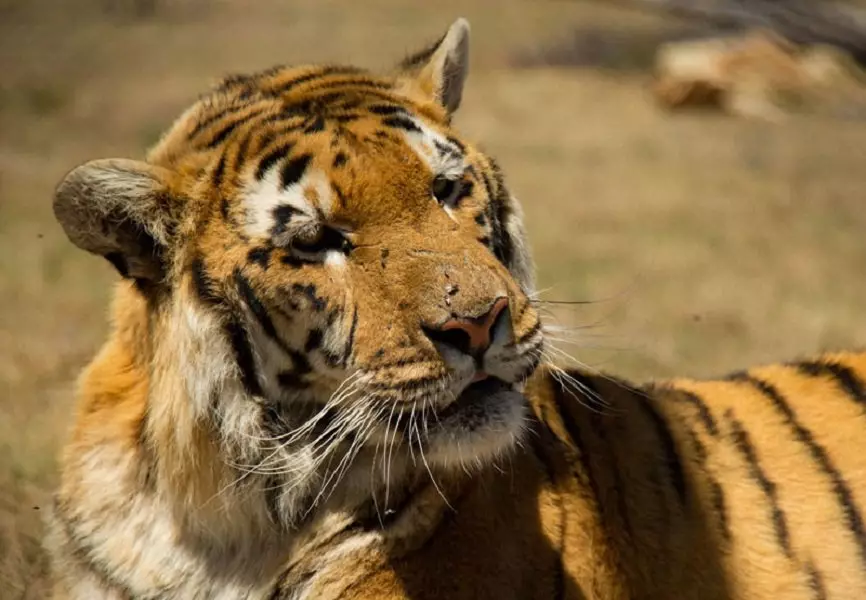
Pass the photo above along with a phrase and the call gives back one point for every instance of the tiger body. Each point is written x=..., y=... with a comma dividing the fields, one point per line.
x=731, y=488
x=758, y=75
x=322, y=381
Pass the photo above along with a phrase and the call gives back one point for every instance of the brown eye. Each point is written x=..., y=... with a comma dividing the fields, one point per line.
x=447, y=191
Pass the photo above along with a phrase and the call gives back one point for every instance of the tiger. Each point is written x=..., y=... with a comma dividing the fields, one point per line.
x=325, y=378
x=755, y=75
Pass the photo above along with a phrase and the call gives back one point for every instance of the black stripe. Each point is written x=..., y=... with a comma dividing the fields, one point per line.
x=202, y=283
x=294, y=378
x=323, y=72
x=717, y=494
x=84, y=554
x=457, y=143
x=314, y=340
x=672, y=458
x=584, y=475
x=240, y=342
x=385, y=109
x=399, y=122
x=616, y=487
x=219, y=171
x=291, y=380
x=706, y=417
x=744, y=444
x=283, y=214
x=341, y=197
x=351, y=342
x=816, y=582
x=227, y=129
x=540, y=440
x=260, y=255
x=331, y=100
x=501, y=205
x=272, y=158
x=348, y=103
x=445, y=148
x=719, y=505
x=300, y=363
x=340, y=159
x=293, y=170
x=211, y=119
x=259, y=311
x=317, y=124
x=819, y=454
x=280, y=124
x=243, y=148
x=117, y=260
x=496, y=234
x=352, y=84
x=277, y=592
x=845, y=377
x=309, y=291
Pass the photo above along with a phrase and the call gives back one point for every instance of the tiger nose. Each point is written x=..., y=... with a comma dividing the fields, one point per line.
x=469, y=335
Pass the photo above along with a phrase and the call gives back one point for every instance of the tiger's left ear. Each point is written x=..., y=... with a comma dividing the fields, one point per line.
x=438, y=73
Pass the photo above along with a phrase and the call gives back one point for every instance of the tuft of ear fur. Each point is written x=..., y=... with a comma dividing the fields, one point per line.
x=119, y=209
x=439, y=72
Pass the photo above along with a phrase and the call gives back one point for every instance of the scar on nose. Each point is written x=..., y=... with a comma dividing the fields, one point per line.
x=383, y=256
x=420, y=252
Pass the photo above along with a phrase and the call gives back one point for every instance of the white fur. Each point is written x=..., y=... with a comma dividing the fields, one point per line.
x=311, y=195
x=423, y=143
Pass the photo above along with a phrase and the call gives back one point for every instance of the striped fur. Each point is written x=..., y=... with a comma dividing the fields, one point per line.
x=278, y=414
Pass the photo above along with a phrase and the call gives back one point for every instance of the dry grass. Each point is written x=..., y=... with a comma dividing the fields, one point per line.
x=710, y=243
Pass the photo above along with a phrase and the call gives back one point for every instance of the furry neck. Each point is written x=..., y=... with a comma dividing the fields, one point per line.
x=198, y=475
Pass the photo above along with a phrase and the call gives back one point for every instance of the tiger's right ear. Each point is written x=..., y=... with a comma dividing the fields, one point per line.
x=439, y=71
x=121, y=210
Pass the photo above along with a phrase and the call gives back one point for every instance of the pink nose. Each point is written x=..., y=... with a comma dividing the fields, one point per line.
x=470, y=335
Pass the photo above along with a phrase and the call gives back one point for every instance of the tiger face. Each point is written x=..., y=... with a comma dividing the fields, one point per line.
x=319, y=248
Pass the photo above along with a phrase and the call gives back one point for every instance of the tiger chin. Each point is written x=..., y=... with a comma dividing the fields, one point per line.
x=322, y=381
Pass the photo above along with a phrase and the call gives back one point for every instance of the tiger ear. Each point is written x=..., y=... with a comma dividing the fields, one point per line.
x=439, y=72
x=121, y=210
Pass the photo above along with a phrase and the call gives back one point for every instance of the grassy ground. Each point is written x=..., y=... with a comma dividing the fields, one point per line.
x=708, y=243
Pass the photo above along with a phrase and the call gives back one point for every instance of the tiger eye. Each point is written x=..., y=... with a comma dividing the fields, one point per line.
x=444, y=189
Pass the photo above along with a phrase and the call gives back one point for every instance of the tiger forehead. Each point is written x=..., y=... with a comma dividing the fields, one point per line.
x=314, y=174
x=302, y=182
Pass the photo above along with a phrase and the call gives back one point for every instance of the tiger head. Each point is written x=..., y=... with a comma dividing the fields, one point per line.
x=316, y=262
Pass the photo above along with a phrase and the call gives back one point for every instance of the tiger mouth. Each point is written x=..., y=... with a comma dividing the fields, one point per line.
x=474, y=401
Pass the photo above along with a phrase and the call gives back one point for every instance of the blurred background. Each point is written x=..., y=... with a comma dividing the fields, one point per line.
x=700, y=242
